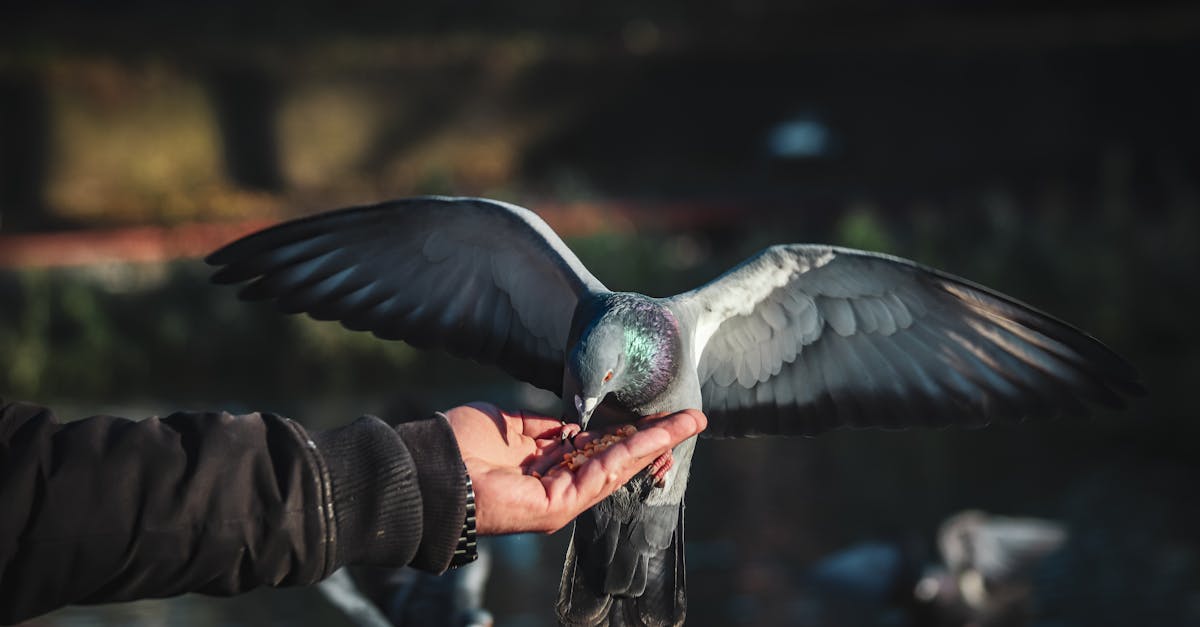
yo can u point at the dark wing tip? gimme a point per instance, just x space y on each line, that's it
223 255
1096 360
226 275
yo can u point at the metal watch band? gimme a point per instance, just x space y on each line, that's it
467 551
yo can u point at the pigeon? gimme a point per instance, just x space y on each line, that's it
991 551
990 563
796 340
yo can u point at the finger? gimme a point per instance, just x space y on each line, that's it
549 457
653 418
538 426
641 448
679 426
600 475
587 437
551 454
555 447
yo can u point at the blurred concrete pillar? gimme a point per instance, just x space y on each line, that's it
24 153
246 100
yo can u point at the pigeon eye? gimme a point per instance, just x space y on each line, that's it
608 376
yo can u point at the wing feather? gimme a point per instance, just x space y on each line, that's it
802 338
484 279
864 314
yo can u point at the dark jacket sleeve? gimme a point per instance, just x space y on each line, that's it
108 509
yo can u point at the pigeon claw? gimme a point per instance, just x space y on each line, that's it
659 469
569 430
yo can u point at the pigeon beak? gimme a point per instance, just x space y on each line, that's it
585 407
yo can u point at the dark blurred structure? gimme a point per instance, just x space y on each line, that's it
410 598
1051 150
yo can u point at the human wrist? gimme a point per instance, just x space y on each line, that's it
441 476
376 498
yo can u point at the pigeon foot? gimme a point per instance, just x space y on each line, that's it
659 469
569 430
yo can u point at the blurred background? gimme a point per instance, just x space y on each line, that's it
1049 150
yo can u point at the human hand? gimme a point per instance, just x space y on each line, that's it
513 459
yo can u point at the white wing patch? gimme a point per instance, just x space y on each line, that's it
752 283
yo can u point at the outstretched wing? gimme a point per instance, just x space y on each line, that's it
484 279
801 339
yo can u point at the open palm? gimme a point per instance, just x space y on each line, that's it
513 459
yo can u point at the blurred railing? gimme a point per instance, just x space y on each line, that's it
157 244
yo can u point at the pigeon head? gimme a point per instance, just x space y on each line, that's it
596 367
631 351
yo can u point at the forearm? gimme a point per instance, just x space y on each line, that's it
107 509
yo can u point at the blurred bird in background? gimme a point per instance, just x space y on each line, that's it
989 562
985 577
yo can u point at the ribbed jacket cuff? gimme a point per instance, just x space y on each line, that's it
442 477
377 499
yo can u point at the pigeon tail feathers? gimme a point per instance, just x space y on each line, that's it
616 576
